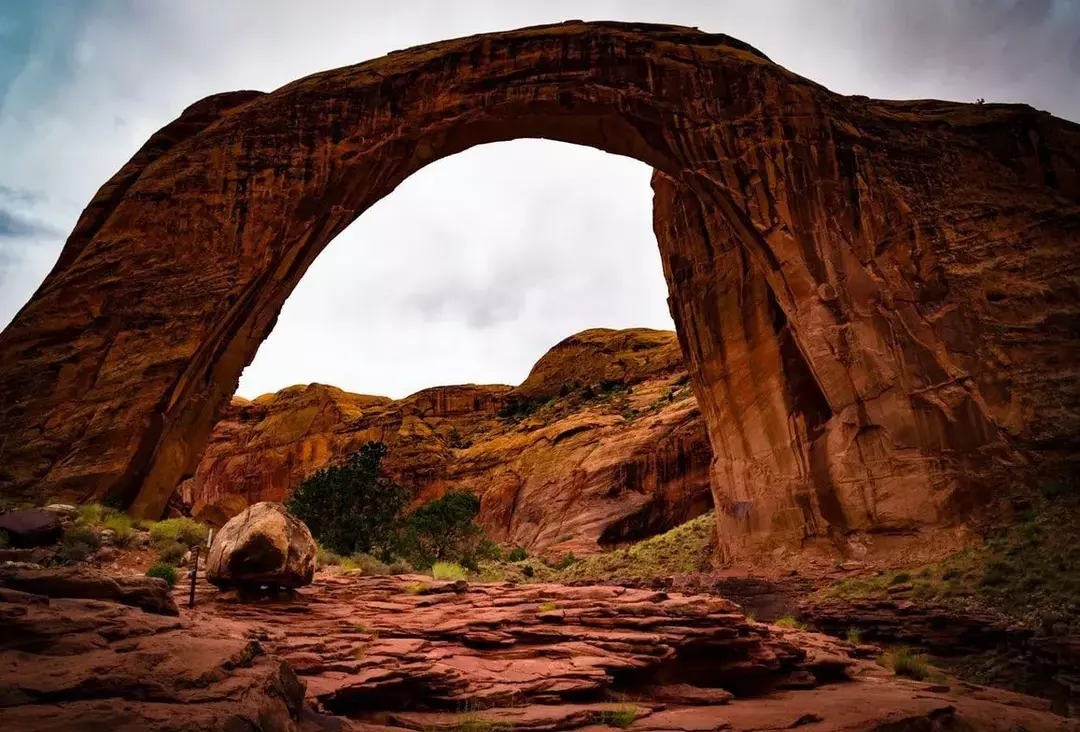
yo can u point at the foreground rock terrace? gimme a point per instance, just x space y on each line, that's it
376 653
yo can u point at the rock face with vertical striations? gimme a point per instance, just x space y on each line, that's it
602 443
878 299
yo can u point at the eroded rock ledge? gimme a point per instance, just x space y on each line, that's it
384 653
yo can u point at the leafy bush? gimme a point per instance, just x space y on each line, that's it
545 607
448 571
351 508
442 530
78 543
854 636
900 578
171 552
187 531
528 571
517 554
165 571
122 528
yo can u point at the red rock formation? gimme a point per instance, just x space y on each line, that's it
627 462
877 299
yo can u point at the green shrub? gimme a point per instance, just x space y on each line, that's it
399 566
546 607
448 571
442 530
905 662
899 578
122 528
517 554
171 552
351 508
165 571
78 543
854 636
365 564
528 571
789 622
92 513
187 531
565 562
326 558
622 716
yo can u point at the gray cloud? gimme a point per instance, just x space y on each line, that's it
478 263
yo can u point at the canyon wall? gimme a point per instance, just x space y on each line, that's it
602 443
878 299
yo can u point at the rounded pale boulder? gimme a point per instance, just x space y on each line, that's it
264 545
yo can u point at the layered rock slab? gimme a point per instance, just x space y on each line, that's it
412 653
68 664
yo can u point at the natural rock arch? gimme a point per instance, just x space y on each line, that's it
827 259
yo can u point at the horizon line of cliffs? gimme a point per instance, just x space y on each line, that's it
603 443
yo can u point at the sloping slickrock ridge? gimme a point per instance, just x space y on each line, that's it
876 299
607 444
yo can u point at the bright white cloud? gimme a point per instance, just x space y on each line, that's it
477 264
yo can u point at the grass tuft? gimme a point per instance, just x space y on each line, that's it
789 622
187 531
621 717
448 571
905 662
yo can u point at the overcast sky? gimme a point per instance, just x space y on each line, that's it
479 263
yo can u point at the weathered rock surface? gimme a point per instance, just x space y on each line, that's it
1044 661
878 299
30 528
264 545
570 469
412 653
68 665
148 593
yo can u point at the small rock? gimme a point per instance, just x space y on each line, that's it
106 554
140 538
32 527
108 537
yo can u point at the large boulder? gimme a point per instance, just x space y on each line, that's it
264 545
30 528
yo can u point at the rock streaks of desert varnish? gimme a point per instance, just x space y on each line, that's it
877 299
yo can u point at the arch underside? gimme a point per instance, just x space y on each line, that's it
877 299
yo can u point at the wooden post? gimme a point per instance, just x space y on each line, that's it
194 575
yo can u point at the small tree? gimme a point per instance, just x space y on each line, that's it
350 508
442 530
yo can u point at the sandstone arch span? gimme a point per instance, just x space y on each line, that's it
843 272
